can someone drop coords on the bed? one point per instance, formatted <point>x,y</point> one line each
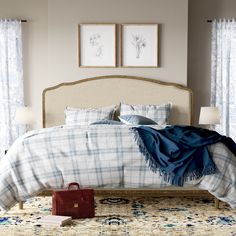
<point>99,92</point>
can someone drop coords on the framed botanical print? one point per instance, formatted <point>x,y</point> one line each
<point>139,45</point>
<point>97,45</point>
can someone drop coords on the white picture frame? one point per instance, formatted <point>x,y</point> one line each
<point>139,45</point>
<point>97,45</point>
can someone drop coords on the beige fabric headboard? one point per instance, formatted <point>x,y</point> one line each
<point>106,90</point>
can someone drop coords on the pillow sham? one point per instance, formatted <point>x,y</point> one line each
<point>107,122</point>
<point>86,116</point>
<point>136,120</point>
<point>158,113</point>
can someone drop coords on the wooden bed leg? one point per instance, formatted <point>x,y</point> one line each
<point>217,203</point>
<point>21,205</point>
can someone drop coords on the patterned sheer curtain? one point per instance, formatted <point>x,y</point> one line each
<point>11,81</point>
<point>223,74</point>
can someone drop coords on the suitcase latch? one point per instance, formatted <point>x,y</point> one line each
<point>76,205</point>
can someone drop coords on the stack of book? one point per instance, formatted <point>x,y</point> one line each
<point>54,220</point>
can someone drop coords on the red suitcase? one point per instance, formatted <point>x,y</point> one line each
<point>77,203</point>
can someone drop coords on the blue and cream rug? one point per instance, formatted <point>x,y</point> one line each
<point>127,217</point>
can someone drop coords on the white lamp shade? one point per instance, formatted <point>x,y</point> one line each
<point>209,116</point>
<point>24,115</point>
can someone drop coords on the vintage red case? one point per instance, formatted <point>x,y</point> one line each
<point>77,203</point>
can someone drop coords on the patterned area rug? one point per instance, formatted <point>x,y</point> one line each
<point>127,216</point>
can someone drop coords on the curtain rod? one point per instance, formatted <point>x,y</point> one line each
<point>209,21</point>
<point>15,19</point>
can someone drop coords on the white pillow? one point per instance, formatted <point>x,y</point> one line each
<point>136,120</point>
<point>86,116</point>
<point>158,113</point>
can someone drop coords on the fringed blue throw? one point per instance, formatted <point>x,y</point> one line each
<point>180,153</point>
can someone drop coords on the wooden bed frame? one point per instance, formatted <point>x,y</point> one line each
<point>113,89</point>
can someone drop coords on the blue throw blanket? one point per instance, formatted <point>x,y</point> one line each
<point>180,153</point>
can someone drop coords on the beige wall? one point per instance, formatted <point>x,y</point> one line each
<point>199,46</point>
<point>50,39</point>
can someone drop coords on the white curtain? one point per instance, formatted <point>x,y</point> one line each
<point>223,74</point>
<point>11,81</point>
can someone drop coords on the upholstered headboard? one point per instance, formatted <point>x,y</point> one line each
<point>113,89</point>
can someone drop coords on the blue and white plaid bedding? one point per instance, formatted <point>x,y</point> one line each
<point>86,116</point>
<point>159,113</point>
<point>94,156</point>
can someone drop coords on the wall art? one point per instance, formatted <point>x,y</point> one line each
<point>139,45</point>
<point>97,45</point>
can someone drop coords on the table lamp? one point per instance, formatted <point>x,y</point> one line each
<point>24,116</point>
<point>209,116</point>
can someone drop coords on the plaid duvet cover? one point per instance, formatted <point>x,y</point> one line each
<point>94,156</point>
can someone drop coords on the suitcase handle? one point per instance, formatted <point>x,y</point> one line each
<point>73,184</point>
<point>78,187</point>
